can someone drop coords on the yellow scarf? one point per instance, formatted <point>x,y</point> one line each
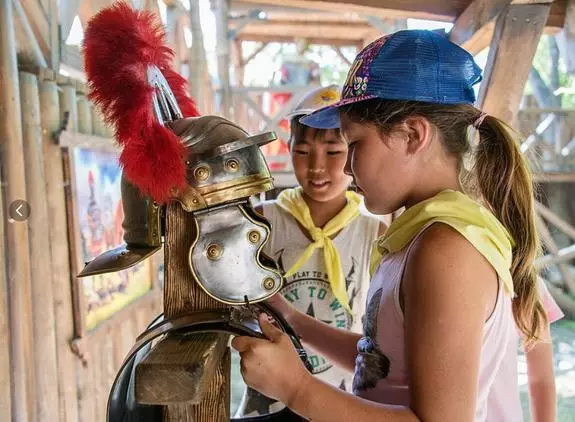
<point>291,200</point>
<point>474,222</point>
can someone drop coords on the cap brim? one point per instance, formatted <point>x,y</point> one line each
<point>328,117</point>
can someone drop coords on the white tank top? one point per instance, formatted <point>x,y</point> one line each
<point>381,373</point>
<point>309,289</point>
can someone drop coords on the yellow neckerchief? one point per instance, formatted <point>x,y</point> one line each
<point>291,200</point>
<point>474,222</point>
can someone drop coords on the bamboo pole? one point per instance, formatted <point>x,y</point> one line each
<point>42,296</point>
<point>84,116</point>
<point>59,253</point>
<point>17,258</point>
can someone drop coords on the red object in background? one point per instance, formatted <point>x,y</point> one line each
<point>280,147</point>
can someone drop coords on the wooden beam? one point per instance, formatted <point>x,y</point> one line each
<point>182,294</point>
<point>422,9</point>
<point>220,10</point>
<point>58,251</point>
<point>475,21</point>
<point>17,253</point>
<point>308,31</point>
<point>27,38</point>
<point>552,247</point>
<point>474,28</point>
<point>554,177</point>
<point>179,369</point>
<point>293,39</point>
<point>514,43</point>
<point>5,370</point>
<point>39,24</point>
<point>254,54</point>
<point>45,357</point>
<point>342,56</point>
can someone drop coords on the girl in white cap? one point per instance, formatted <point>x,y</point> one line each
<point>321,239</point>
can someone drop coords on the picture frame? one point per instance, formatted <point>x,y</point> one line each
<point>92,177</point>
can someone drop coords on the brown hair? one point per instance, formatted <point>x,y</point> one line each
<point>298,131</point>
<point>502,181</point>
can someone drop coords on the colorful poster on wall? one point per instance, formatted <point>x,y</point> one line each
<point>98,205</point>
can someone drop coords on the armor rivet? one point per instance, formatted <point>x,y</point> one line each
<point>214,251</point>
<point>254,236</point>
<point>232,165</point>
<point>195,201</point>
<point>202,173</point>
<point>269,283</point>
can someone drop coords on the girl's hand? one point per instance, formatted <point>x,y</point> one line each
<point>272,366</point>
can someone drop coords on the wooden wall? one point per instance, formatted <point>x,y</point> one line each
<point>65,379</point>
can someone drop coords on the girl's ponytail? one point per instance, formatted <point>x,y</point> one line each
<point>505,184</point>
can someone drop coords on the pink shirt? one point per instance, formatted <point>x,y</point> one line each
<point>381,373</point>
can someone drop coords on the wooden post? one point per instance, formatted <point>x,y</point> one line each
<point>513,46</point>
<point>197,57</point>
<point>98,126</point>
<point>69,104</point>
<point>5,375</point>
<point>45,361</point>
<point>59,253</point>
<point>220,9</point>
<point>182,295</point>
<point>17,250</point>
<point>84,116</point>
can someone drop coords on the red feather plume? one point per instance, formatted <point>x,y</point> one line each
<point>119,45</point>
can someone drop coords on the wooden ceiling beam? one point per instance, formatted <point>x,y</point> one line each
<point>304,30</point>
<point>386,9</point>
<point>292,39</point>
<point>517,33</point>
<point>473,29</point>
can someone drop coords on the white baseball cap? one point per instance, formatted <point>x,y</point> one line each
<point>315,99</point>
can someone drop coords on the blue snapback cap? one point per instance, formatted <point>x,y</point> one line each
<point>412,65</point>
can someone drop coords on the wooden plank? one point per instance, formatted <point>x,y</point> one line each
<point>5,370</point>
<point>179,369</point>
<point>551,246</point>
<point>554,177</point>
<point>86,384</point>
<point>420,9</point>
<point>474,21</point>
<point>84,116</point>
<point>293,39</point>
<point>554,219</point>
<point>476,42</point>
<point>215,406</point>
<point>59,253</point>
<point>220,10</point>
<point>39,24</point>
<point>45,361</point>
<point>517,34</point>
<point>17,252</point>
<point>304,30</point>
<point>182,295</point>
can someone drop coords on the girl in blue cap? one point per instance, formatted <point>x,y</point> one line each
<point>453,277</point>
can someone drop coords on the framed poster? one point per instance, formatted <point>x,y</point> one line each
<point>95,217</point>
